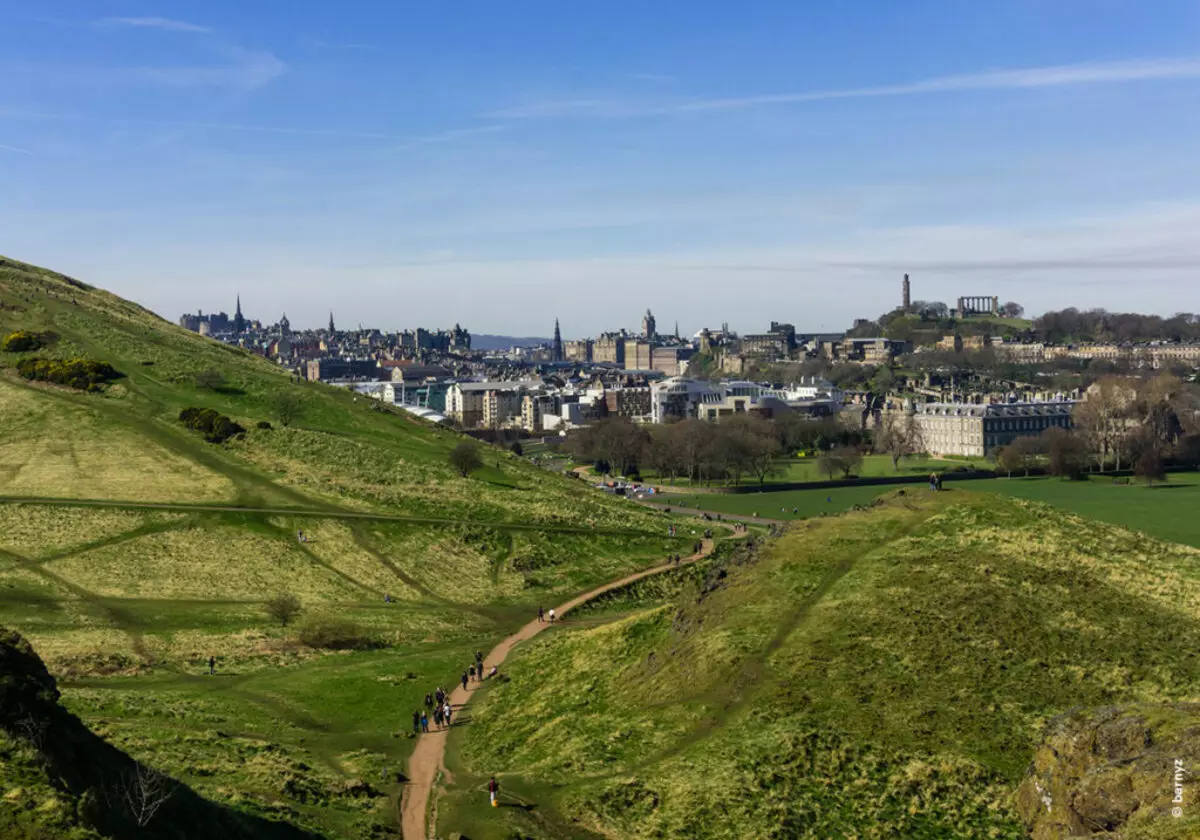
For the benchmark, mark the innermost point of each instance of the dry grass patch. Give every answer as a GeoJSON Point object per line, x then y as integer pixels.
{"type": "Point", "coordinates": [205, 563]}
{"type": "Point", "coordinates": [61, 448]}
{"type": "Point", "coordinates": [35, 531]}
{"type": "Point", "coordinates": [334, 543]}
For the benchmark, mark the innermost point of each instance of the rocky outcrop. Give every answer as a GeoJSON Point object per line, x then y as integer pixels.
{"type": "Point", "coordinates": [107, 791]}
{"type": "Point", "coordinates": [1116, 773]}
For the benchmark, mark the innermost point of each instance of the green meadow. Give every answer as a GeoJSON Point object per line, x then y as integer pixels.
{"type": "Point", "coordinates": [132, 552]}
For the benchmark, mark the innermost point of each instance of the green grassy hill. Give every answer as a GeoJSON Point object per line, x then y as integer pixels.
{"type": "Point", "coordinates": [132, 550]}
{"type": "Point", "coordinates": [889, 673]}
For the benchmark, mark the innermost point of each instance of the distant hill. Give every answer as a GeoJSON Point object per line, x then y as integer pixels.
{"type": "Point", "coordinates": [480, 341]}
{"type": "Point", "coordinates": [889, 673]}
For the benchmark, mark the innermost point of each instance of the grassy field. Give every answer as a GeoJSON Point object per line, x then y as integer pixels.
{"type": "Point", "coordinates": [796, 470]}
{"type": "Point", "coordinates": [1165, 511]}
{"type": "Point", "coordinates": [126, 605]}
{"type": "Point", "coordinates": [885, 674]}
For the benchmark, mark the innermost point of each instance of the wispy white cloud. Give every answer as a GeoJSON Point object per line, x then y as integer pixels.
{"type": "Point", "coordinates": [14, 150]}
{"type": "Point", "coordinates": [449, 136]}
{"type": "Point", "coordinates": [244, 70]}
{"type": "Point", "coordinates": [1086, 73]}
{"type": "Point", "coordinates": [162, 23]}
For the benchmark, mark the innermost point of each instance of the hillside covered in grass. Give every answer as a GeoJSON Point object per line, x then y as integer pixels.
{"type": "Point", "coordinates": [889, 673]}
{"type": "Point", "coordinates": [133, 550]}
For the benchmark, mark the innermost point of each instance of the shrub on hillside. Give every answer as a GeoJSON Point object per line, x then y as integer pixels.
{"type": "Point", "coordinates": [216, 427]}
{"type": "Point", "coordinates": [331, 633]}
{"type": "Point", "coordinates": [82, 374]}
{"type": "Point", "coordinates": [283, 608]}
{"type": "Point", "coordinates": [23, 341]}
{"type": "Point", "coordinates": [264, 424]}
{"type": "Point", "coordinates": [466, 458]}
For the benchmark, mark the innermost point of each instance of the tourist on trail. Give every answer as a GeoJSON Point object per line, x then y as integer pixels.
{"type": "Point", "coordinates": [493, 790]}
{"type": "Point", "coordinates": [212, 665]}
{"type": "Point", "coordinates": [424, 721]}
{"type": "Point", "coordinates": [437, 717]}
{"type": "Point", "coordinates": [492, 672]}
{"type": "Point", "coordinates": [471, 673]}
{"type": "Point", "coordinates": [428, 700]}
{"type": "Point", "coordinates": [464, 680]}
{"type": "Point", "coordinates": [552, 615]}
{"type": "Point", "coordinates": [479, 660]}
{"type": "Point", "coordinates": [448, 712]}
{"type": "Point", "coordinates": [416, 723]}
{"type": "Point", "coordinates": [440, 695]}
{"type": "Point", "coordinates": [541, 614]}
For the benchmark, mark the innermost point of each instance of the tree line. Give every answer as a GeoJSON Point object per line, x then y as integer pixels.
{"type": "Point", "coordinates": [1099, 325]}
{"type": "Point", "coordinates": [745, 445]}
{"type": "Point", "coordinates": [1124, 423]}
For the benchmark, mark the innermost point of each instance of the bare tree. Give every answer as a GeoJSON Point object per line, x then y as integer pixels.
{"type": "Point", "coordinates": [1066, 454]}
{"type": "Point", "coordinates": [288, 407]}
{"type": "Point", "coordinates": [1009, 458]}
{"type": "Point", "coordinates": [283, 608]}
{"type": "Point", "coordinates": [143, 791]}
{"type": "Point", "coordinates": [1102, 418]}
{"type": "Point", "coordinates": [899, 436]}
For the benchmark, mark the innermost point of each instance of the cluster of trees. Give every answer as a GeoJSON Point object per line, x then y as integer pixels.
{"type": "Point", "coordinates": [736, 447]}
{"type": "Point", "coordinates": [81, 374]}
{"type": "Point", "coordinates": [24, 341]}
{"type": "Point", "coordinates": [216, 427]}
{"type": "Point", "coordinates": [1072, 325]}
{"type": "Point", "coordinates": [1124, 423]}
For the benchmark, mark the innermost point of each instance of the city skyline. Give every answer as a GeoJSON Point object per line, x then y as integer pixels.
{"type": "Point", "coordinates": [501, 167]}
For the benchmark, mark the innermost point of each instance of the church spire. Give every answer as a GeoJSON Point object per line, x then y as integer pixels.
{"type": "Point", "coordinates": [558, 343]}
{"type": "Point", "coordinates": [331, 329]}
{"type": "Point", "coordinates": [239, 323]}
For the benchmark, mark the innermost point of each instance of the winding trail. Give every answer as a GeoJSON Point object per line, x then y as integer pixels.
{"type": "Point", "coordinates": [429, 755]}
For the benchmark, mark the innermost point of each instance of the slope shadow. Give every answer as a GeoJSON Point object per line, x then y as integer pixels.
{"type": "Point", "coordinates": [110, 788]}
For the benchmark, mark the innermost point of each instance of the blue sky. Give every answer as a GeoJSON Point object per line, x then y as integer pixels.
{"type": "Point", "coordinates": [500, 164]}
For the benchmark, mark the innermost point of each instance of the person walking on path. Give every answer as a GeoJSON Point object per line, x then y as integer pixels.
{"type": "Point", "coordinates": [416, 723]}
{"type": "Point", "coordinates": [428, 700]}
{"type": "Point", "coordinates": [437, 716]}
{"type": "Point", "coordinates": [464, 680]}
{"type": "Point", "coordinates": [493, 790]}
{"type": "Point", "coordinates": [448, 712]}
{"type": "Point", "coordinates": [424, 721]}
{"type": "Point", "coordinates": [552, 615]}
{"type": "Point", "coordinates": [471, 672]}
{"type": "Point", "coordinates": [541, 614]}
{"type": "Point", "coordinates": [212, 666]}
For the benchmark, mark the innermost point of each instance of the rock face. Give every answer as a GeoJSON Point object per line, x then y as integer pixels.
{"type": "Point", "coordinates": [95, 778]}
{"type": "Point", "coordinates": [1117, 773]}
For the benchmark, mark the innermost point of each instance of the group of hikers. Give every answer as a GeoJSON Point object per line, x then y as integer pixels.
{"type": "Point", "coordinates": [542, 615]}
{"type": "Point", "coordinates": [935, 482]}
{"type": "Point", "coordinates": [437, 703]}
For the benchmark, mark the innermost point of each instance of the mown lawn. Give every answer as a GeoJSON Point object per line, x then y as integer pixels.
{"type": "Point", "coordinates": [1166, 511]}
{"type": "Point", "coordinates": [795, 470]}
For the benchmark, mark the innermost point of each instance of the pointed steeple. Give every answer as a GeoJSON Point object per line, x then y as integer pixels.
{"type": "Point", "coordinates": [558, 343]}
{"type": "Point", "coordinates": [239, 323]}
{"type": "Point", "coordinates": [331, 329]}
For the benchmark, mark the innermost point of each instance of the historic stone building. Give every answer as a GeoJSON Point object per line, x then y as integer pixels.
{"type": "Point", "coordinates": [974, 431]}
